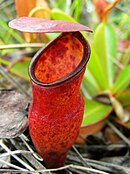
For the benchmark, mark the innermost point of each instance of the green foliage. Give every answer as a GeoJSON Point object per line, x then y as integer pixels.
{"type": "Point", "coordinates": [124, 98]}
{"type": "Point", "coordinates": [8, 35]}
{"type": "Point", "coordinates": [122, 81]}
{"type": "Point", "coordinates": [18, 69]}
{"type": "Point", "coordinates": [95, 111]}
{"type": "Point", "coordinates": [105, 76]}
{"type": "Point", "coordinates": [105, 48]}
{"type": "Point", "coordinates": [60, 15]}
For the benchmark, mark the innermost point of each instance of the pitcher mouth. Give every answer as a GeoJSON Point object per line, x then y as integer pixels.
{"type": "Point", "coordinates": [75, 72]}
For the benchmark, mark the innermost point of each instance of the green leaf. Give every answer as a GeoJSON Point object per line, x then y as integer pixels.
{"type": "Point", "coordinates": [7, 33]}
{"type": "Point", "coordinates": [124, 98]}
{"type": "Point", "coordinates": [95, 111]}
{"type": "Point", "coordinates": [4, 62]}
{"type": "Point", "coordinates": [97, 70]}
{"type": "Point", "coordinates": [57, 14]}
{"type": "Point", "coordinates": [105, 48]}
{"type": "Point", "coordinates": [90, 83]}
{"type": "Point", "coordinates": [76, 8]}
{"type": "Point", "coordinates": [122, 81]}
{"type": "Point", "coordinates": [20, 68]}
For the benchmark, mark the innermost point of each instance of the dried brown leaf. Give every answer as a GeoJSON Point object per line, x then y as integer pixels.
{"type": "Point", "coordinates": [13, 120]}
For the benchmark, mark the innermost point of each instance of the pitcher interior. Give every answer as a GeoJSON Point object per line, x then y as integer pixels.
{"type": "Point", "coordinates": [59, 59]}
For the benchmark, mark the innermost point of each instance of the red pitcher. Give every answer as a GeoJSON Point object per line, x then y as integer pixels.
{"type": "Point", "coordinates": [57, 107]}
{"type": "Point", "coordinates": [56, 72]}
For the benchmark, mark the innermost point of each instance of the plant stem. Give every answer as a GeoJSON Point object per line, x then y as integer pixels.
{"type": "Point", "coordinates": [16, 157]}
{"type": "Point", "coordinates": [22, 136]}
{"type": "Point", "coordinates": [71, 166]}
{"type": "Point", "coordinates": [26, 45]}
{"type": "Point", "coordinates": [125, 139]}
{"type": "Point", "coordinates": [109, 7]}
{"type": "Point", "coordinates": [12, 165]}
{"type": "Point", "coordinates": [80, 157]}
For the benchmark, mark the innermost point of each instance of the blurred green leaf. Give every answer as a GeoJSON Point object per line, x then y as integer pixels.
{"type": "Point", "coordinates": [4, 62]}
{"type": "Point", "coordinates": [76, 7]}
{"type": "Point", "coordinates": [124, 98]}
{"type": "Point", "coordinates": [122, 81]}
{"type": "Point", "coordinates": [57, 14]}
{"type": "Point", "coordinates": [7, 34]}
{"type": "Point", "coordinates": [90, 83]}
{"type": "Point", "coordinates": [105, 48]}
{"type": "Point", "coordinates": [97, 70]}
{"type": "Point", "coordinates": [95, 111]}
{"type": "Point", "coordinates": [125, 57]}
{"type": "Point", "coordinates": [20, 68]}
